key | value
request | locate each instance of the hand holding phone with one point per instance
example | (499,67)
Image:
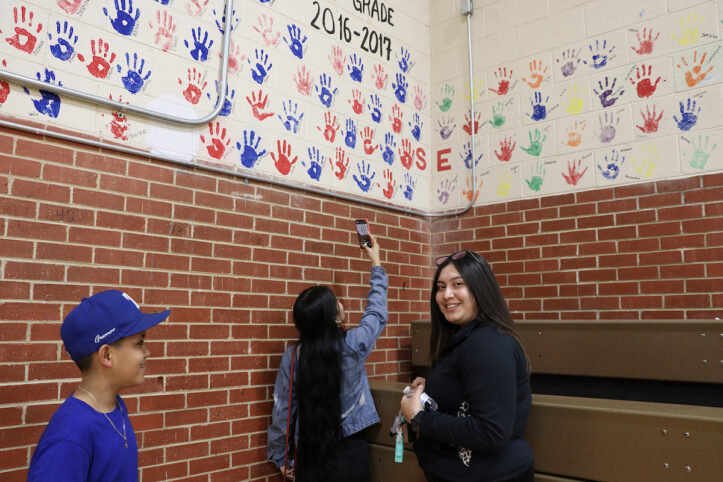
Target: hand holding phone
(362,231)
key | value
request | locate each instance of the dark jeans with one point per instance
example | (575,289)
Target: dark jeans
(526,476)
(350,462)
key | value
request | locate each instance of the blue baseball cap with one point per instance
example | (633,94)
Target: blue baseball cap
(102,319)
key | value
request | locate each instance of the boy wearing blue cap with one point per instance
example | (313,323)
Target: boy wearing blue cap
(90,437)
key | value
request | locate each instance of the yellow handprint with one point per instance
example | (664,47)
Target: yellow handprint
(575,101)
(505,183)
(476,91)
(690,31)
(649,161)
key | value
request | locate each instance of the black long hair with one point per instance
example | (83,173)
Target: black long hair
(491,305)
(318,381)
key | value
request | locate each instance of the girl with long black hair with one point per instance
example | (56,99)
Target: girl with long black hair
(331,403)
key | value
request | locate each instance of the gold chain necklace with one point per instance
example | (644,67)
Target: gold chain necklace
(123,435)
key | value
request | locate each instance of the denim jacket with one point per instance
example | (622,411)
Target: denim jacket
(357,405)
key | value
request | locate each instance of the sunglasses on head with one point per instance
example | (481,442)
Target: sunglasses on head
(455,256)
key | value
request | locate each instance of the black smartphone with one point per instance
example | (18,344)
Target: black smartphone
(362,230)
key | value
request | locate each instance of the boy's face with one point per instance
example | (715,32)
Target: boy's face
(130,361)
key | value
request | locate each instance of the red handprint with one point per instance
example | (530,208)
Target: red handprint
(391,184)
(331,127)
(396,119)
(467,127)
(340,165)
(70,6)
(646,43)
(303,80)
(119,123)
(217,141)
(379,76)
(504,78)
(194,7)
(356,101)
(405,154)
(100,65)
(507,148)
(643,84)
(235,58)
(266,29)
(573,174)
(23,39)
(337,60)
(4,87)
(650,122)
(165,29)
(368,135)
(420,100)
(258,105)
(192,93)
(282,163)
(694,75)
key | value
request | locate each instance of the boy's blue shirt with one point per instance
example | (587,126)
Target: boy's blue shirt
(79,444)
(357,404)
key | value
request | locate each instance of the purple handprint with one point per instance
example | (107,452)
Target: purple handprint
(569,62)
(607,94)
(446,127)
(446,187)
(608,121)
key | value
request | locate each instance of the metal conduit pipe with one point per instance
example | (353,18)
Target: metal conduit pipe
(127,108)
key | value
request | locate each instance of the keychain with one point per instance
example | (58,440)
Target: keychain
(398,427)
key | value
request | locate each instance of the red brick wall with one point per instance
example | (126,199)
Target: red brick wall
(227,257)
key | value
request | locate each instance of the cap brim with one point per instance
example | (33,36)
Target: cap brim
(145,321)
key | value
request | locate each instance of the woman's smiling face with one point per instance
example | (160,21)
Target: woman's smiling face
(453,298)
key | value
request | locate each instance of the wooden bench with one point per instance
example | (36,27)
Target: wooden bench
(623,432)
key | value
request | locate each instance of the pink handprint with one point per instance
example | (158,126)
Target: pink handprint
(340,165)
(507,148)
(331,127)
(650,121)
(396,119)
(24,39)
(646,43)
(356,102)
(504,78)
(235,58)
(337,60)
(259,104)
(405,154)
(420,99)
(4,87)
(192,92)
(281,160)
(217,141)
(195,7)
(265,27)
(70,6)
(379,76)
(368,135)
(100,65)
(165,28)
(303,80)
(573,174)
(390,184)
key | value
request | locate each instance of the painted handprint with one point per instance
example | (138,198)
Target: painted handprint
(445,189)
(340,164)
(99,65)
(404,61)
(125,18)
(477,90)
(498,115)
(420,98)
(507,147)
(227,100)
(504,183)
(467,126)
(330,127)
(537,74)
(4,87)
(607,93)
(695,74)
(235,58)
(504,79)
(221,20)
(324,90)
(688,115)
(408,187)
(466,155)
(194,8)
(336,57)
(303,80)
(701,153)
(164,30)
(608,122)
(400,88)
(538,177)
(316,163)
(250,154)
(375,108)
(600,54)
(260,67)
(569,61)
(574,135)
(295,42)
(291,119)
(643,83)
(49,102)
(389,184)
(64,47)
(536,142)
(650,121)
(574,174)
(194,87)
(690,31)
(539,108)
(257,101)
(367,136)
(447,93)
(200,48)
(282,160)
(70,6)
(356,102)
(24,39)
(388,148)
(446,127)
(416,126)
(379,77)
(396,119)
(134,80)
(350,134)
(645,165)
(610,168)
(405,154)
(265,28)
(355,67)
(217,141)
(646,43)
(575,102)
(366,175)
(470,193)
(118,124)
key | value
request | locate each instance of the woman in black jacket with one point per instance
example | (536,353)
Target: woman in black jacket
(480,379)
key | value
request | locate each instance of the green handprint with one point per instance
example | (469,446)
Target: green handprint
(535,144)
(498,115)
(701,153)
(505,183)
(538,176)
(447,92)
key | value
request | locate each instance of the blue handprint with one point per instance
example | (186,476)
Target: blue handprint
(539,109)
(227,101)
(416,126)
(364,181)
(388,148)
(599,56)
(64,48)
(134,79)
(350,134)
(295,42)
(355,67)
(375,108)
(260,70)
(249,151)
(688,115)
(291,119)
(611,170)
(221,23)
(400,88)
(410,184)
(316,163)
(404,61)
(466,156)
(49,102)
(163,2)
(124,22)
(200,48)
(323,88)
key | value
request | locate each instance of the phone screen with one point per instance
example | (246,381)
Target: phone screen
(362,230)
